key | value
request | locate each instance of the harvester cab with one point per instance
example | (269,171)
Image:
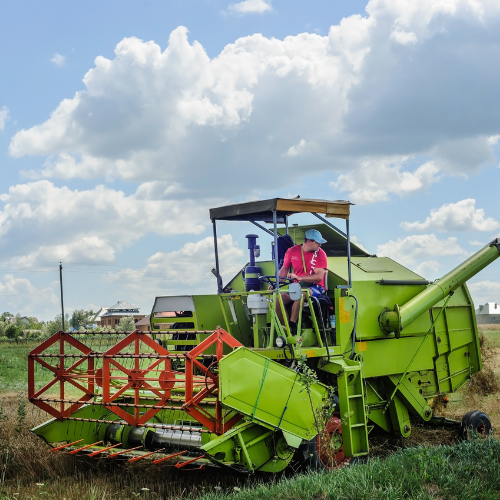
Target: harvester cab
(224,380)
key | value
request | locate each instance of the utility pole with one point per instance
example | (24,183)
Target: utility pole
(62,301)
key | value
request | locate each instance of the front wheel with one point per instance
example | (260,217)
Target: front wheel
(326,450)
(475,423)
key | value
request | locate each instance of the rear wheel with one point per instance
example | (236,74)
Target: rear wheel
(475,424)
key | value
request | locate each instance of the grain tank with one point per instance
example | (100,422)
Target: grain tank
(220,381)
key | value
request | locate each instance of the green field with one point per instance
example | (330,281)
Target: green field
(492,334)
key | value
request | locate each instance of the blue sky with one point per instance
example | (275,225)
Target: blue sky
(122,123)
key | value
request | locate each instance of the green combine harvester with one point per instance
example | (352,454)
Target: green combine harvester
(220,381)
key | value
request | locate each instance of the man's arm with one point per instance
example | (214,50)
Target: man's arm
(316,277)
(284,272)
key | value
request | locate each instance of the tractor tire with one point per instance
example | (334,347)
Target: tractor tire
(307,458)
(325,451)
(475,424)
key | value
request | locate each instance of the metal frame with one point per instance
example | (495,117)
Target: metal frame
(276,262)
(219,284)
(261,227)
(158,378)
(345,235)
(274,233)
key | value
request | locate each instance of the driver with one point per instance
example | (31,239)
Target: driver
(309,264)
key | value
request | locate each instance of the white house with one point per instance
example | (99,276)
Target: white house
(488,313)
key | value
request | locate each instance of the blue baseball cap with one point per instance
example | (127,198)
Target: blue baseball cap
(314,234)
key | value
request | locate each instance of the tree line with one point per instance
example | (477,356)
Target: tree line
(12,326)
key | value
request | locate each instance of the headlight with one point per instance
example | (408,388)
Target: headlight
(280,342)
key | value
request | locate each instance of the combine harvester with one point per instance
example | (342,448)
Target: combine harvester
(219,381)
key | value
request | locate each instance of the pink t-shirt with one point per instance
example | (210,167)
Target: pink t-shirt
(314,260)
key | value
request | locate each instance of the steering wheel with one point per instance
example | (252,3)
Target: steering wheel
(271,280)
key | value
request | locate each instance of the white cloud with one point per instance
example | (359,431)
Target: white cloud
(484,291)
(297,149)
(460,216)
(4,116)
(186,269)
(20,295)
(428,268)
(88,225)
(375,180)
(372,89)
(58,60)
(250,7)
(403,37)
(420,250)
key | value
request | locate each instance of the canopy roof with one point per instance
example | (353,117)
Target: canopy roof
(263,210)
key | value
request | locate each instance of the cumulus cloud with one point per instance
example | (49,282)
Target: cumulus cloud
(19,294)
(374,88)
(420,250)
(4,116)
(88,225)
(375,180)
(58,60)
(403,37)
(188,268)
(250,6)
(297,149)
(485,291)
(460,216)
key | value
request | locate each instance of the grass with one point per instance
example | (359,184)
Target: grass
(492,334)
(13,365)
(470,470)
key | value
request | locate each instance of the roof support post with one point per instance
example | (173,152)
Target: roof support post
(348,252)
(276,261)
(219,286)
(348,236)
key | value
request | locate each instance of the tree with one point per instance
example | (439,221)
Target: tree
(81,318)
(13,331)
(126,324)
(54,326)
(6,315)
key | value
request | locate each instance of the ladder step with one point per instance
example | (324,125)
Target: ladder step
(358,425)
(355,396)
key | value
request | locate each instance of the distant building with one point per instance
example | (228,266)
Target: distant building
(143,324)
(99,314)
(24,320)
(115,313)
(488,313)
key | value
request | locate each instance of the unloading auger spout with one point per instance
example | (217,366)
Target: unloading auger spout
(401,316)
